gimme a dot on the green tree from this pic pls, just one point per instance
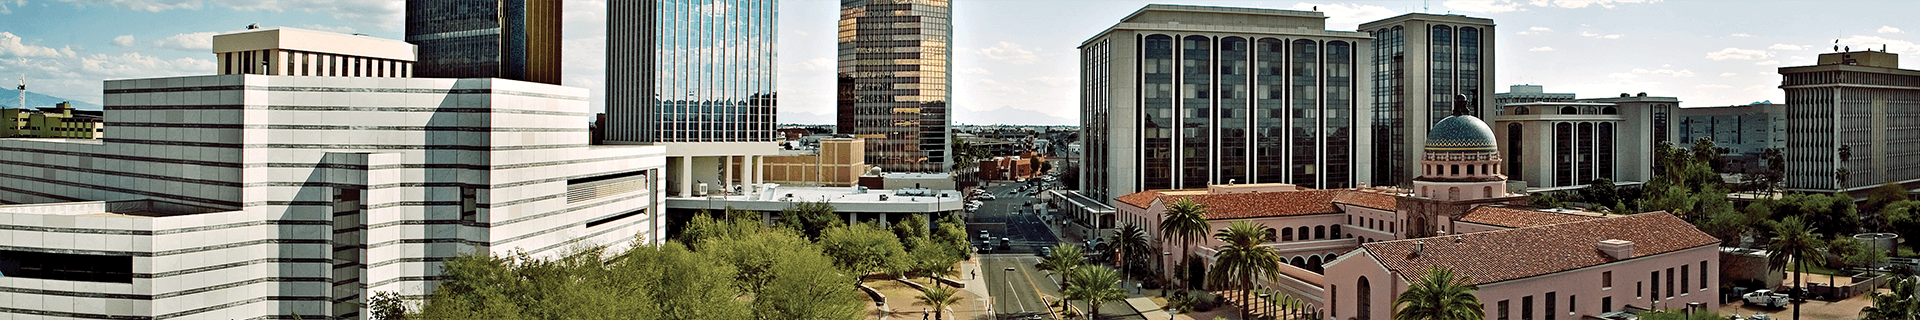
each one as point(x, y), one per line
point(1902, 302)
point(1184, 221)
point(1439, 295)
point(1902, 217)
point(1853, 253)
point(805, 285)
point(1065, 257)
point(912, 227)
point(1096, 286)
point(1832, 215)
point(1600, 192)
point(930, 260)
point(387, 305)
point(811, 218)
point(1242, 257)
point(1793, 243)
point(1882, 196)
point(1131, 241)
point(938, 298)
point(863, 249)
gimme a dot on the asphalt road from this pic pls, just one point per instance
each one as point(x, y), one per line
point(1009, 216)
point(1018, 294)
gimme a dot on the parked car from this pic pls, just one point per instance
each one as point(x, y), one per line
point(1006, 243)
point(984, 236)
point(988, 196)
point(1044, 251)
point(1766, 298)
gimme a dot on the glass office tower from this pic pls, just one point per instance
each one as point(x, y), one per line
point(1420, 61)
point(894, 79)
point(508, 39)
point(691, 71)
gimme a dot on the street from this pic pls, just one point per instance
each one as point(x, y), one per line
point(1018, 294)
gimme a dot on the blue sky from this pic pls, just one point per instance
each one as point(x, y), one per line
point(1015, 61)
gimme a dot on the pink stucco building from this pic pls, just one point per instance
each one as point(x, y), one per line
point(1558, 271)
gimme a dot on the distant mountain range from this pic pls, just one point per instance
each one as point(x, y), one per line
point(10, 98)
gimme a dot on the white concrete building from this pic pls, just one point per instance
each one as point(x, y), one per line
point(248, 196)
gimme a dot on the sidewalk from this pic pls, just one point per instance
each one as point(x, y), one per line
point(982, 301)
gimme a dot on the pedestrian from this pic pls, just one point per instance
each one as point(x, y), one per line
point(975, 274)
point(924, 313)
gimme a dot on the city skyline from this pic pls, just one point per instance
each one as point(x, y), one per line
point(1017, 66)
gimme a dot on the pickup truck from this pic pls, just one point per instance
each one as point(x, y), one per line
point(1766, 298)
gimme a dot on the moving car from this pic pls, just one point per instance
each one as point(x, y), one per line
point(1006, 243)
point(1766, 298)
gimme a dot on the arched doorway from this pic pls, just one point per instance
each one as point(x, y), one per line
point(1362, 296)
point(1313, 264)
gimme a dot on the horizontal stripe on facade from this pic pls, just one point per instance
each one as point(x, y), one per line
point(353, 109)
point(346, 90)
point(503, 242)
point(576, 240)
point(216, 183)
point(569, 209)
point(238, 303)
point(42, 195)
point(329, 127)
point(123, 157)
point(343, 147)
point(194, 200)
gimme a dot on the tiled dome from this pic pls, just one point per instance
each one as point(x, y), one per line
point(1461, 134)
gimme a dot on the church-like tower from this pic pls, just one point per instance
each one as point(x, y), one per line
point(1462, 161)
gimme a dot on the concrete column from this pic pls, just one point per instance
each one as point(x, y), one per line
point(850, 218)
point(727, 181)
point(883, 220)
point(746, 174)
point(686, 176)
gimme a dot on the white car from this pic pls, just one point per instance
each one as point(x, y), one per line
point(985, 197)
point(1766, 298)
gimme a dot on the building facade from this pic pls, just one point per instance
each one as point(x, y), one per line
point(1188, 96)
point(317, 193)
point(1852, 122)
point(699, 80)
point(1743, 133)
point(838, 162)
point(1419, 62)
point(507, 39)
point(60, 121)
point(1568, 144)
point(1522, 93)
point(895, 75)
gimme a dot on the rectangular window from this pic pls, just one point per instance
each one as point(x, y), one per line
point(1526, 308)
point(469, 205)
point(66, 266)
point(1683, 279)
point(1573, 304)
point(1606, 304)
point(606, 186)
point(1669, 282)
point(1653, 284)
point(1639, 290)
point(1502, 310)
point(1606, 280)
point(1547, 306)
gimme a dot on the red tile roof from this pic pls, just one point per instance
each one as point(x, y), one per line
point(1495, 256)
point(1140, 199)
point(1262, 204)
point(1370, 199)
point(1520, 217)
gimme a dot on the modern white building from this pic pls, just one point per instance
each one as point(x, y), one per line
point(249, 196)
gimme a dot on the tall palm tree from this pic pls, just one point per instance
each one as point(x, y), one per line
point(1184, 220)
point(1440, 296)
point(1131, 240)
point(1242, 257)
point(1095, 285)
point(1793, 242)
point(1903, 303)
point(1064, 258)
point(938, 298)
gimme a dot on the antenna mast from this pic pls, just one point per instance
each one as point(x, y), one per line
point(23, 91)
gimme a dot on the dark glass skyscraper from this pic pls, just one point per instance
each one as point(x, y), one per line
point(894, 81)
point(508, 39)
point(1420, 61)
point(691, 71)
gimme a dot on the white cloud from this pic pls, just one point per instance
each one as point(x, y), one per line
point(1588, 34)
point(1481, 6)
point(1665, 72)
point(1874, 43)
point(382, 14)
point(1347, 16)
point(197, 41)
point(1713, 86)
point(333, 29)
point(1888, 29)
point(11, 45)
point(1609, 4)
point(1596, 35)
point(124, 41)
point(1738, 54)
point(1622, 75)
point(1612, 36)
point(1783, 46)
point(1009, 52)
point(1541, 49)
point(1742, 35)
point(978, 71)
point(1540, 29)
point(1768, 63)
point(142, 5)
point(1728, 74)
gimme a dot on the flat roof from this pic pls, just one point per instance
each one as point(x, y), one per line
point(295, 39)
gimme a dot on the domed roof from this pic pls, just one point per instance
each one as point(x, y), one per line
point(1461, 134)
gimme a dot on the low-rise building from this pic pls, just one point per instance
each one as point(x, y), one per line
point(1742, 133)
point(1552, 146)
point(838, 162)
point(60, 121)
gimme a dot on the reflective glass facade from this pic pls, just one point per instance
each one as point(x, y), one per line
point(893, 65)
point(1420, 62)
point(509, 39)
point(691, 71)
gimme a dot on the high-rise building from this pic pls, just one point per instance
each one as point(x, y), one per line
point(697, 77)
point(1553, 141)
point(507, 39)
point(1853, 121)
point(1179, 97)
point(894, 75)
point(1420, 61)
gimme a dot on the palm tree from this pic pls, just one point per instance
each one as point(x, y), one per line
point(1064, 258)
point(1242, 257)
point(1903, 303)
point(1131, 240)
point(1095, 285)
point(938, 298)
point(1184, 220)
point(1439, 296)
point(1793, 242)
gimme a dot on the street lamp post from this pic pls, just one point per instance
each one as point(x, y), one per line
point(1163, 273)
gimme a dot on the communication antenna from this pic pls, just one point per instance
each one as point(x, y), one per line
point(23, 91)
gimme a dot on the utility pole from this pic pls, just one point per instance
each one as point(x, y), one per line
point(23, 91)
